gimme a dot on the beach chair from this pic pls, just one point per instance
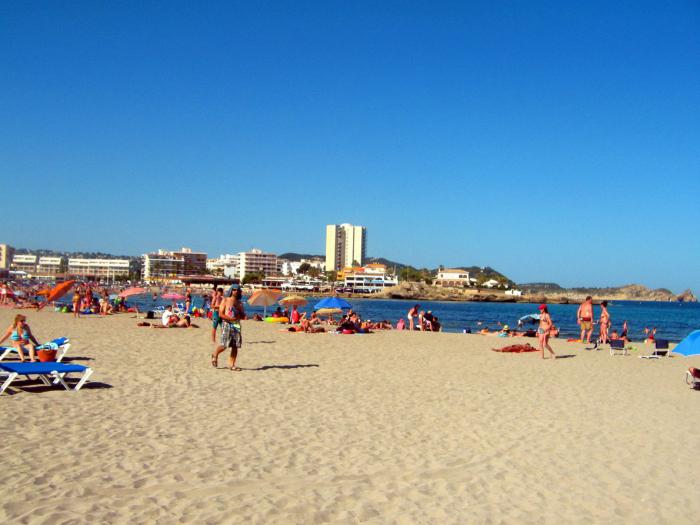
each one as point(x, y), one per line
point(60, 344)
point(49, 373)
point(692, 377)
point(618, 347)
point(661, 349)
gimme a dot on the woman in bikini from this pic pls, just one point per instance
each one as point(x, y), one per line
point(412, 314)
point(543, 331)
point(604, 322)
point(20, 334)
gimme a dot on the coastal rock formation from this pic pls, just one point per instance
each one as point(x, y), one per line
point(687, 297)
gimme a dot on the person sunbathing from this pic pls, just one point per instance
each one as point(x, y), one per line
point(20, 334)
point(171, 320)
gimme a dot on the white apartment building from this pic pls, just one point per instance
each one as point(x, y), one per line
point(292, 267)
point(369, 279)
point(24, 263)
point(257, 261)
point(167, 265)
point(7, 253)
point(227, 264)
point(345, 244)
point(49, 266)
point(99, 268)
point(452, 278)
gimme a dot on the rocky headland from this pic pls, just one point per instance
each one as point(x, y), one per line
point(633, 292)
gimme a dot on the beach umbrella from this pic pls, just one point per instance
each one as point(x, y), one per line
point(690, 345)
point(57, 292)
point(329, 311)
point(293, 300)
point(132, 291)
point(530, 318)
point(173, 296)
point(332, 302)
point(264, 298)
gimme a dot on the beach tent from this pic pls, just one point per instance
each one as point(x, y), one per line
point(690, 345)
point(332, 302)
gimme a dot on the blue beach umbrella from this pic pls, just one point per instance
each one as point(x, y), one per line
point(531, 318)
point(332, 302)
point(690, 345)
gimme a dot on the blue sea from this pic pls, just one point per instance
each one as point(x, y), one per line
point(673, 321)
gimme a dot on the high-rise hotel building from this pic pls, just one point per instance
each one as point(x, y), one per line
point(345, 246)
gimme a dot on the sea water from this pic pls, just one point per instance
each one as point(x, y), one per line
point(673, 321)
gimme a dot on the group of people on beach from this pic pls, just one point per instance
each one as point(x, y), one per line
point(420, 320)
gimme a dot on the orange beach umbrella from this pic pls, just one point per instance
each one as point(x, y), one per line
point(293, 300)
point(57, 292)
point(264, 298)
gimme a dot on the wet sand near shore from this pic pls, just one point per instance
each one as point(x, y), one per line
point(391, 427)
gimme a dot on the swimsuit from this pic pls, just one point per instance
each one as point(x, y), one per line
point(16, 337)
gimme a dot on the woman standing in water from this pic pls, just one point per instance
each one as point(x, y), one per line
point(544, 330)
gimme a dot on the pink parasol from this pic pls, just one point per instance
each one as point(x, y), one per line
point(132, 291)
point(173, 296)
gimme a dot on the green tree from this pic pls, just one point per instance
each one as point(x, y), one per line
point(304, 268)
point(314, 272)
point(252, 278)
point(332, 276)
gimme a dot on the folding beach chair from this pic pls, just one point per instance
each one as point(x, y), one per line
point(618, 347)
point(48, 373)
point(661, 349)
point(692, 377)
point(60, 344)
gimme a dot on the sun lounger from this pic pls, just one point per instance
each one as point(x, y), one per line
point(60, 344)
point(618, 346)
point(692, 377)
point(48, 373)
point(661, 349)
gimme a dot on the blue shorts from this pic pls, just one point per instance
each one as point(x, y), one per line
point(215, 319)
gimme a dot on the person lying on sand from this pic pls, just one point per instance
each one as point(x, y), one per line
point(171, 320)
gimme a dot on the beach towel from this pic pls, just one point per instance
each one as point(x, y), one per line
point(516, 349)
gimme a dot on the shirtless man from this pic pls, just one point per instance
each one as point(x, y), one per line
point(585, 319)
point(231, 313)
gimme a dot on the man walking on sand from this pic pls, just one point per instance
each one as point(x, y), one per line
point(585, 319)
point(231, 313)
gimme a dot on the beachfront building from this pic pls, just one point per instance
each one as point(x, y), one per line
point(346, 246)
point(162, 265)
point(226, 264)
point(452, 278)
point(49, 266)
point(166, 265)
point(7, 253)
point(257, 261)
point(24, 263)
point(99, 268)
point(292, 267)
point(367, 279)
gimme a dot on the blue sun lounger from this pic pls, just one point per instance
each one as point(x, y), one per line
point(49, 373)
point(60, 343)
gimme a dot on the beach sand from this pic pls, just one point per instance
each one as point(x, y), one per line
point(391, 427)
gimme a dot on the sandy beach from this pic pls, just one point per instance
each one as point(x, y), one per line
point(390, 427)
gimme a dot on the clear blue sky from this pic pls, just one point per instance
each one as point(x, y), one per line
point(553, 141)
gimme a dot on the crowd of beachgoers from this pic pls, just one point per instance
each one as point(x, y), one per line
point(225, 309)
